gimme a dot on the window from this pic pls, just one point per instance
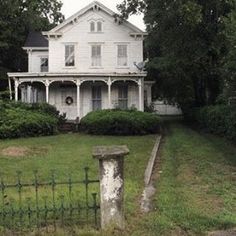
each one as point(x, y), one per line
point(96, 56)
point(123, 97)
point(122, 54)
point(97, 98)
point(96, 26)
point(99, 26)
point(92, 27)
point(70, 55)
point(43, 64)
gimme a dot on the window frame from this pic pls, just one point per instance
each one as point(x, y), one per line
point(96, 57)
point(96, 99)
point(123, 99)
point(100, 28)
point(65, 62)
point(41, 64)
point(92, 23)
point(119, 65)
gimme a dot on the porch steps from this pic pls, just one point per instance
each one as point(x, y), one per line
point(69, 126)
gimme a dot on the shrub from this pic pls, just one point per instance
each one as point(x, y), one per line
point(24, 120)
point(218, 119)
point(119, 122)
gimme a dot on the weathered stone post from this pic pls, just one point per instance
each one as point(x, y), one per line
point(111, 163)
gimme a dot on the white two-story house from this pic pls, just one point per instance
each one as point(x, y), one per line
point(88, 62)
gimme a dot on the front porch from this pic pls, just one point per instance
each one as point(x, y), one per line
point(77, 95)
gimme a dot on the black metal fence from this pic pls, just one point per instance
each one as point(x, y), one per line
point(51, 204)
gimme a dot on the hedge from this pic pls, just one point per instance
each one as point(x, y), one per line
point(23, 120)
point(218, 119)
point(120, 122)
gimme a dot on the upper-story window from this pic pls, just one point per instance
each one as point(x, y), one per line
point(43, 64)
point(96, 26)
point(92, 26)
point(96, 55)
point(99, 26)
point(69, 55)
point(122, 55)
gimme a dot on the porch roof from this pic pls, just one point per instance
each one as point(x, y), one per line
point(74, 75)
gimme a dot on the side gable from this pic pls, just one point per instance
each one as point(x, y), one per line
point(95, 6)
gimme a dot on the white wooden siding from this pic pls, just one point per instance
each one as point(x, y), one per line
point(34, 62)
point(80, 34)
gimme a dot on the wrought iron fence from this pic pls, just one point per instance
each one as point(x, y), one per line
point(37, 205)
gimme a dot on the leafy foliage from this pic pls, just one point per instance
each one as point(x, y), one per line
point(23, 120)
point(230, 62)
point(119, 122)
point(186, 47)
point(219, 119)
point(17, 18)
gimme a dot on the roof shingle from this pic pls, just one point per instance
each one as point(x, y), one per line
point(36, 39)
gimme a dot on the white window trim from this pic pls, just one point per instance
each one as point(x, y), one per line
point(43, 57)
point(75, 58)
point(96, 26)
point(96, 67)
point(128, 53)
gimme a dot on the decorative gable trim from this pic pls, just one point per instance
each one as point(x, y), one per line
point(95, 6)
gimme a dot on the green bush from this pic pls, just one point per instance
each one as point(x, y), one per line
point(25, 120)
point(119, 122)
point(218, 119)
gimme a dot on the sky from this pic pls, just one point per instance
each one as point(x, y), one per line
point(72, 6)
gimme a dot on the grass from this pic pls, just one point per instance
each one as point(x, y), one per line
point(196, 190)
point(69, 154)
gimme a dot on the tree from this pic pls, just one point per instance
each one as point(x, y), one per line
point(186, 47)
point(17, 18)
point(230, 61)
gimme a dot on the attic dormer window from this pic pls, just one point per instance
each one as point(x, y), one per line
point(99, 26)
point(96, 26)
point(92, 26)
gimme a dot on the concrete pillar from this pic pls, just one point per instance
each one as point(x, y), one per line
point(111, 163)
point(78, 83)
point(16, 89)
point(109, 93)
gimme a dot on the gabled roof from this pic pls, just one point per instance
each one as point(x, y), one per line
point(36, 40)
point(93, 5)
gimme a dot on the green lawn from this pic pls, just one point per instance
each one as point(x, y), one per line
point(196, 186)
point(69, 154)
point(196, 191)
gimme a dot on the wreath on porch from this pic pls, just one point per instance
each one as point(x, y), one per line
point(69, 101)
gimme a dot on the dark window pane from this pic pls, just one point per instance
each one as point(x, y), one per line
point(97, 98)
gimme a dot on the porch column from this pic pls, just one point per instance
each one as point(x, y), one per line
point(16, 89)
point(78, 83)
point(109, 92)
point(47, 91)
point(140, 89)
point(10, 89)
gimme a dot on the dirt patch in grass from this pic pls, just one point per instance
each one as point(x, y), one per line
point(230, 232)
point(18, 152)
